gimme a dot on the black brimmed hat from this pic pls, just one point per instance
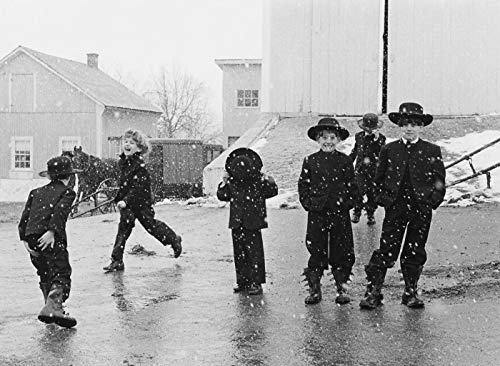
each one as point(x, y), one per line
point(243, 163)
point(370, 121)
point(328, 124)
point(411, 111)
point(59, 165)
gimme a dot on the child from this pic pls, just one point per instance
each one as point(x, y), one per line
point(42, 229)
point(134, 200)
point(410, 184)
point(247, 188)
point(326, 190)
point(366, 151)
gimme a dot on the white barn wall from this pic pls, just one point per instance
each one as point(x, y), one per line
point(321, 56)
point(445, 55)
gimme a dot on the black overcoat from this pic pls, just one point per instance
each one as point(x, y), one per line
point(247, 201)
point(47, 208)
point(327, 181)
point(366, 152)
point(134, 182)
point(425, 170)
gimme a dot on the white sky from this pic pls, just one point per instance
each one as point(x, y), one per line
point(134, 38)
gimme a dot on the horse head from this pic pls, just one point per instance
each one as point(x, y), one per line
point(80, 159)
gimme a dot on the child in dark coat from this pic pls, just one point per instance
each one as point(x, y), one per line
point(366, 152)
point(42, 229)
point(326, 191)
point(247, 189)
point(135, 201)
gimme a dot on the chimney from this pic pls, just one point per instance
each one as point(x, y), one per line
point(92, 60)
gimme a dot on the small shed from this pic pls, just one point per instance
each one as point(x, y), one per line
point(176, 166)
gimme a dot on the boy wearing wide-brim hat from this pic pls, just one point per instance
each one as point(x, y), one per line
point(42, 229)
point(326, 191)
point(410, 182)
point(365, 152)
point(247, 188)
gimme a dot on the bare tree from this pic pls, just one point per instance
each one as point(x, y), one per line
point(183, 100)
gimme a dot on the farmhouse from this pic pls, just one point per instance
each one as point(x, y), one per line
point(49, 104)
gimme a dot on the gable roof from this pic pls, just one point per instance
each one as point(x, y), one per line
point(91, 81)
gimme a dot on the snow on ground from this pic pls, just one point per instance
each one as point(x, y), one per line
point(463, 194)
point(474, 190)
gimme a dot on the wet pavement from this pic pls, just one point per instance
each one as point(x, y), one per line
point(166, 311)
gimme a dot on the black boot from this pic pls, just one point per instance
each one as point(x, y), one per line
point(373, 295)
point(177, 246)
point(114, 266)
point(411, 277)
point(313, 278)
point(53, 311)
point(370, 219)
point(356, 216)
point(341, 276)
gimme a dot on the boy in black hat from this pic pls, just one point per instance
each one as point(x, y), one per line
point(247, 189)
point(42, 229)
point(134, 200)
point(366, 151)
point(410, 182)
point(326, 190)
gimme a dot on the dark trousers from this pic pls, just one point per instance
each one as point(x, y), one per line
point(146, 216)
point(329, 240)
point(402, 217)
point(366, 186)
point(248, 251)
point(52, 265)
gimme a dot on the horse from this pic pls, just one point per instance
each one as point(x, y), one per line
point(97, 176)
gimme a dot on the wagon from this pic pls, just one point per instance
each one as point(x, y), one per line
point(176, 166)
point(103, 200)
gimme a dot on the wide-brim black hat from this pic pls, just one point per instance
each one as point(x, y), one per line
point(243, 163)
point(370, 121)
point(328, 124)
point(59, 165)
point(412, 111)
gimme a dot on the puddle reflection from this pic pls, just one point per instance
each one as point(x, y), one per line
point(250, 331)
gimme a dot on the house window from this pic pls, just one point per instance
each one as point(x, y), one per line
point(247, 98)
point(22, 153)
point(67, 143)
point(114, 146)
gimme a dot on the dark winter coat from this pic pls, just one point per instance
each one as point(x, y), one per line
point(247, 201)
point(366, 152)
point(327, 182)
point(134, 182)
point(425, 171)
point(47, 208)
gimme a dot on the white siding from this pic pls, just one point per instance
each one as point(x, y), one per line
point(321, 56)
point(445, 55)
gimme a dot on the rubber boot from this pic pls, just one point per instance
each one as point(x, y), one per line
point(356, 216)
point(370, 219)
point(341, 277)
point(313, 278)
point(373, 295)
point(53, 311)
point(411, 277)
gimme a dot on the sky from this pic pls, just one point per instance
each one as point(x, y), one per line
point(135, 38)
